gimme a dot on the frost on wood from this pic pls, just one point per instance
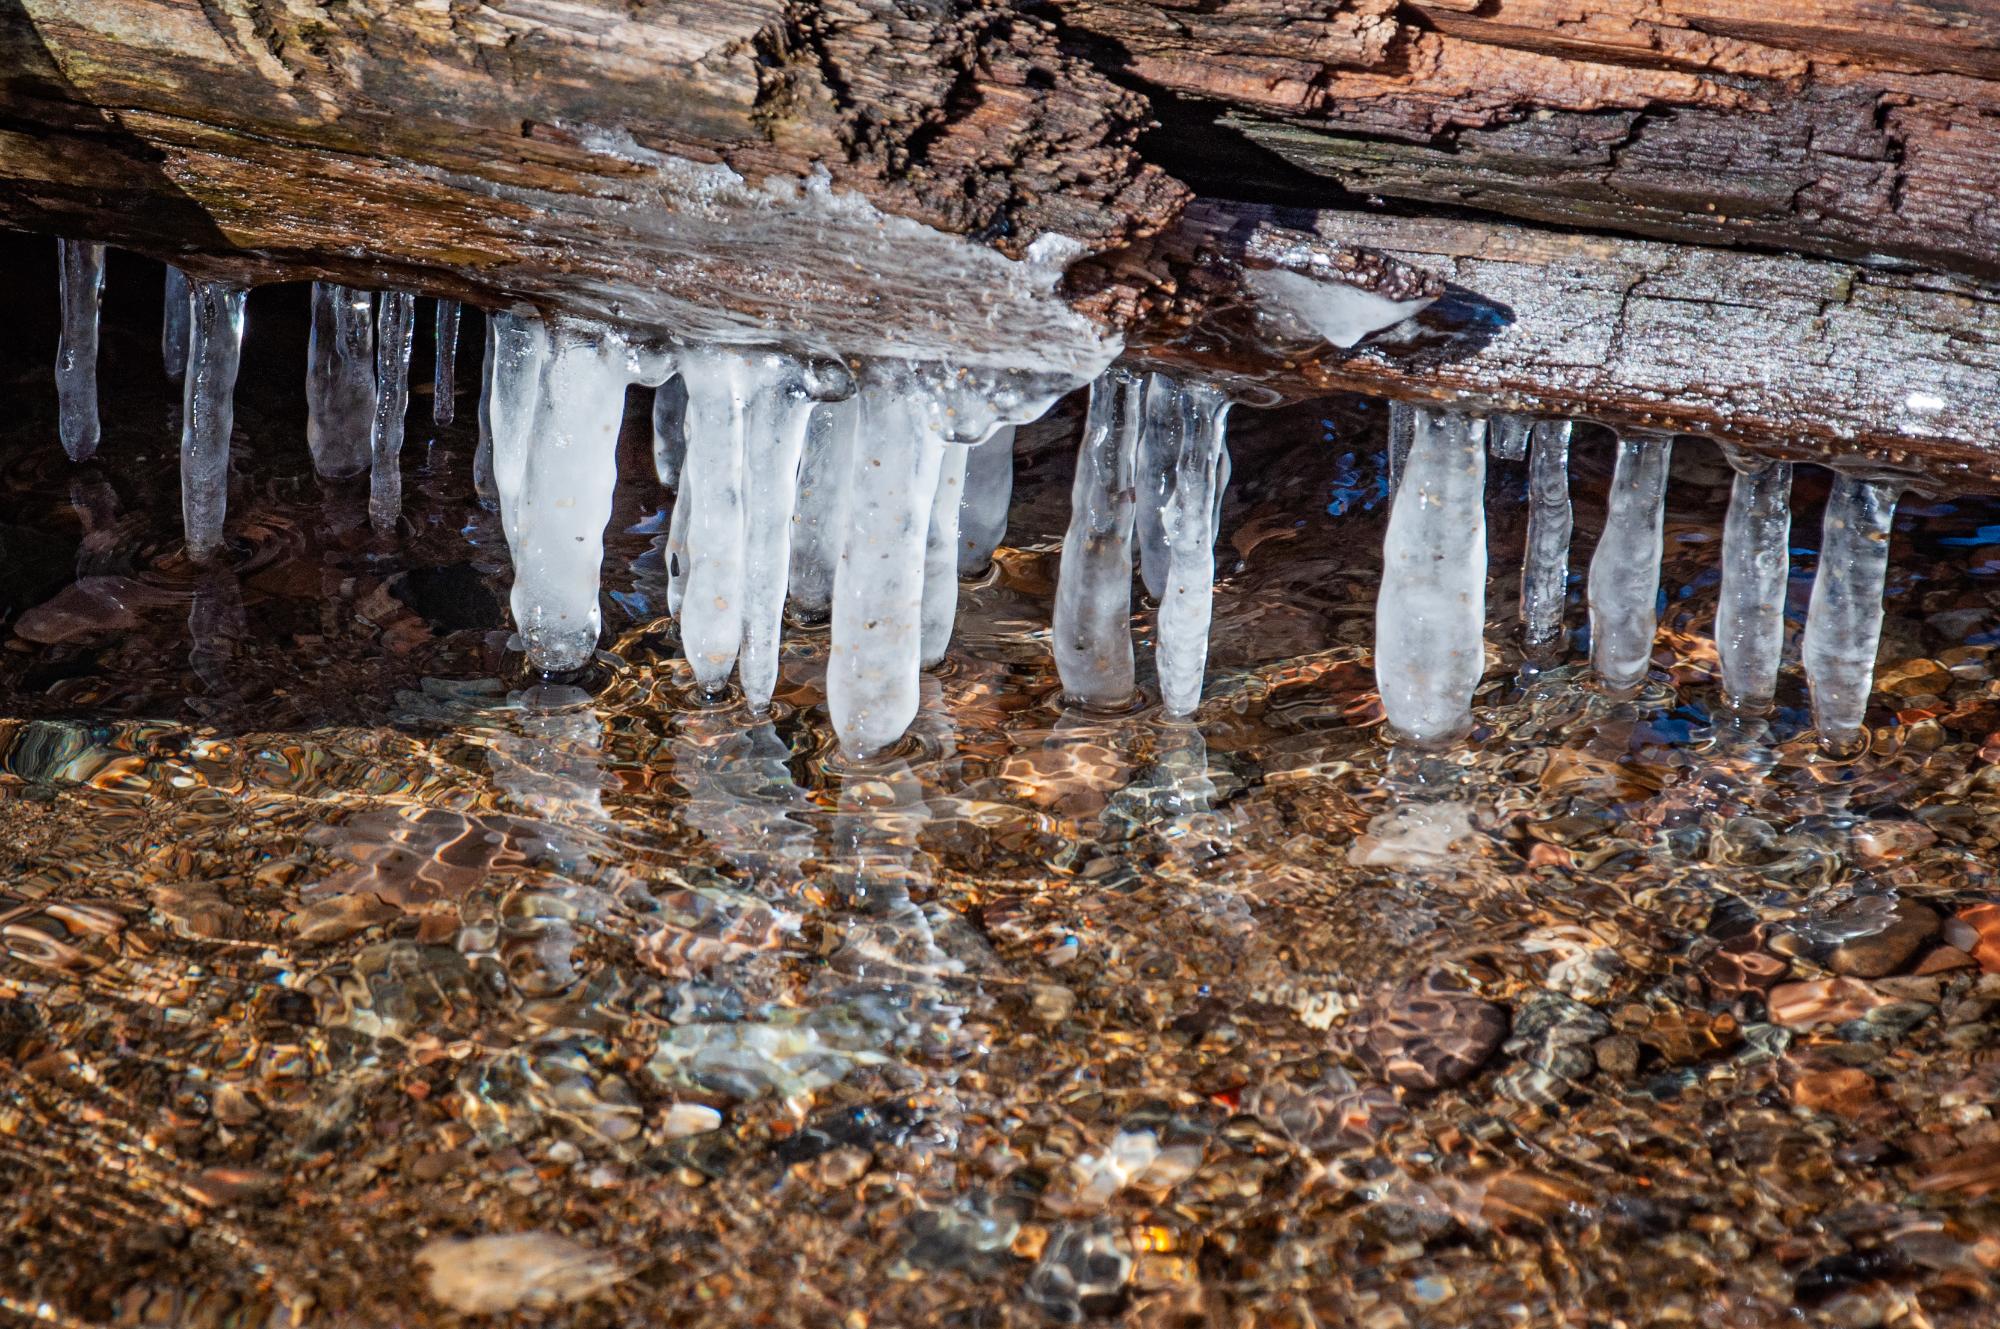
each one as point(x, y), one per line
point(1756, 565)
point(1190, 421)
point(395, 328)
point(81, 268)
point(1625, 570)
point(1431, 611)
point(1545, 564)
point(340, 380)
point(1093, 609)
point(1844, 621)
point(208, 410)
point(989, 492)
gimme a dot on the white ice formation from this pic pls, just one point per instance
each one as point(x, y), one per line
point(1335, 311)
point(989, 492)
point(208, 410)
point(395, 328)
point(82, 289)
point(1431, 611)
point(1844, 620)
point(822, 508)
point(340, 380)
point(1545, 565)
point(1625, 570)
point(1093, 611)
point(1190, 422)
point(1756, 564)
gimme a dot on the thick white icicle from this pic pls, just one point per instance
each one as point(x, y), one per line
point(875, 662)
point(1756, 565)
point(519, 355)
point(444, 382)
point(208, 410)
point(1625, 570)
point(941, 555)
point(821, 524)
point(340, 380)
point(1844, 620)
point(1093, 611)
point(1545, 564)
point(1193, 420)
point(1431, 610)
point(556, 478)
point(174, 324)
point(395, 327)
point(989, 493)
point(670, 401)
point(773, 441)
point(81, 266)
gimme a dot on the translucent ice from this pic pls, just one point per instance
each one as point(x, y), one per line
point(208, 410)
point(81, 266)
point(517, 356)
point(1507, 436)
point(1545, 566)
point(989, 491)
point(941, 554)
point(1402, 431)
point(1429, 616)
point(482, 455)
point(1844, 621)
point(395, 326)
point(174, 324)
point(1756, 564)
point(444, 383)
point(670, 401)
point(1093, 610)
point(1625, 570)
point(340, 379)
point(1191, 420)
point(821, 521)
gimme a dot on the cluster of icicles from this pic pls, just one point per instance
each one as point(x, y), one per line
point(862, 492)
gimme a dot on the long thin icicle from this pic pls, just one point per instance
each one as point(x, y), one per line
point(1545, 566)
point(1625, 570)
point(81, 264)
point(1431, 611)
point(1193, 420)
point(444, 382)
point(482, 455)
point(711, 610)
point(556, 478)
point(989, 493)
point(395, 327)
point(1093, 611)
point(773, 441)
point(875, 663)
point(208, 411)
point(670, 401)
point(1844, 620)
point(340, 380)
point(174, 324)
point(1756, 565)
point(1154, 469)
point(941, 554)
point(821, 526)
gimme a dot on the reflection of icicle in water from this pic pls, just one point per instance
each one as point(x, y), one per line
point(941, 556)
point(555, 472)
point(1402, 433)
point(670, 401)
point(1625, 570)
point(444, 383)
point(821, 524)
point(1192, 419)
point(81, 266)
point(989, 492)
point(208, 410)
point(552, 768)
point(1507, 436)
point(1756, 565)
point(741, 794)
point(174, 324)
point(1844, 621)
point(340, 380)
point(1545, 567)
point(1093, 611)
point(1429, 616)
point(216, 628)
point(395, 326)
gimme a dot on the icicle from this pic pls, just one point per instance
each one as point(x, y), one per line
point(989, 492)
point(1093, 611)
point(1192, 420)
point(1431, 611)
point(677, 552)
point(1402, 433)
point(1154, 470)
point(1545, 566)
point(1625, 570)
point(822, 508)
point(1507, 436)
point(555, 473)
point(773, 441)
point(1844, 620)
point(875, 664)
point(670, 401)
point(941, 555)
point(340, 380)
point(1756, 565)
point(482, 456)
point(444, 382)
point(81, 266)
point(208, 410)
point(174, 324)
point(395, 319)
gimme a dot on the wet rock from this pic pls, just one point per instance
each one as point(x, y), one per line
point(1823, 1002)
point(1972, 1173)
point(1867, 937)
point(1843, 1091)
point(1426, 1033)
point(1944, 960)
point(1335, 1112)
point(1417, 835)
point(1735, 973)
point(34, 564)
point(1083, 1270)
point(1617, 1056)
point(1879, 842)
point(496, 1274)
point(1677, 1033)
point(1976, 931)
point(452, 597)
point(682, 1120)
point(1553, 1037)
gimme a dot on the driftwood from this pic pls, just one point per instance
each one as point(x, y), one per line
point(875, 176)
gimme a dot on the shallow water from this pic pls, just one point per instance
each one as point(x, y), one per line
point(330, 941)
